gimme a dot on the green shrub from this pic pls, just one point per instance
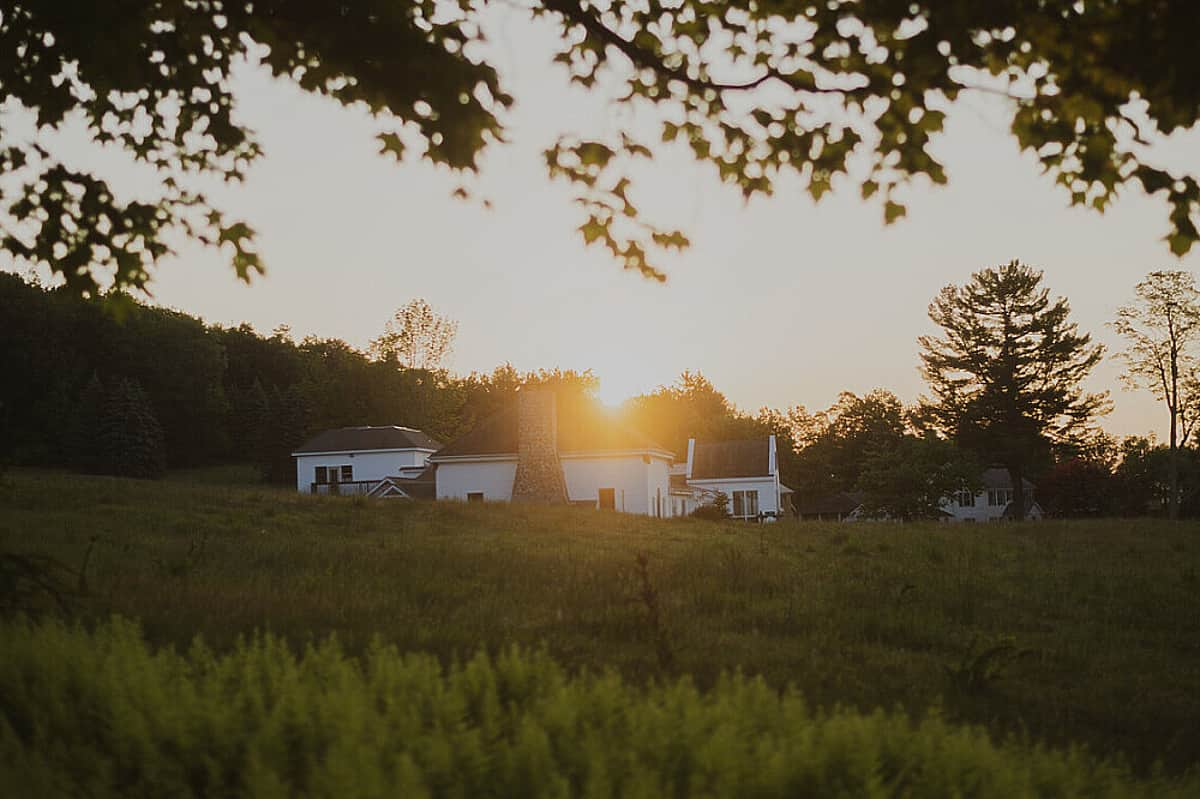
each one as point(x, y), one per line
point(99, 713)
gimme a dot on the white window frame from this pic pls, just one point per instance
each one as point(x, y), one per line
point(738, 498)
point(999, 497)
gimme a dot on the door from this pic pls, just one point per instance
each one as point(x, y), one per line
point(608, 499)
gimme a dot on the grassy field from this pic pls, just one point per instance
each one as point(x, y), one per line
point(1085, 632)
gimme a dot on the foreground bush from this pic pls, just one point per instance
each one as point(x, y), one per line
point(98, 713)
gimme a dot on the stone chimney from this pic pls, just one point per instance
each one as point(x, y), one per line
point(539, 474)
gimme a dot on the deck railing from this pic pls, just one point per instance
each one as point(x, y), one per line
point(348, 488)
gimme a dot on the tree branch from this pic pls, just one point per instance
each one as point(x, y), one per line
point(646, 59)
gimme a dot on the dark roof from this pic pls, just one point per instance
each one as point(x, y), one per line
point(580, 429)
point(843, 503)
point(357, 439)
point(715, 460)
point(422, 486)
point(998, 477)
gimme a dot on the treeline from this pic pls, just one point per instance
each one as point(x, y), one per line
point(205, 393)
point(877, 447)
point(123, 388)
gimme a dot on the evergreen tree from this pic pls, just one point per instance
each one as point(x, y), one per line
point(1006, 374)
point(84, 446)
point(287, 428)
point(130, 438)
point(255, 421)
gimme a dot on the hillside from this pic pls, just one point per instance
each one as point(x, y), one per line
point(1072, 632)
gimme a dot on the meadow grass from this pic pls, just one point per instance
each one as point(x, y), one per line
point(98, 713)
point(1061, 632)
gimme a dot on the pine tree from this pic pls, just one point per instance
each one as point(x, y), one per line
point(286, 429)
point(255, 421)
point(130, 438)
point(84, 437)
point(1006, 375)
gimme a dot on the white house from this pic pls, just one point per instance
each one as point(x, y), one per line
point(535, 451)
point(354, 460)
point(991, 503)
point(747, 472)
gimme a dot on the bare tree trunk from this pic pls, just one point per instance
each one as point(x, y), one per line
point(1018, 488)
point(1173, 471)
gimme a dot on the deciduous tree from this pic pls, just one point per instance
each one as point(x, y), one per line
point(757, 90)
point(1006, 374)
point(1163, 329)
point(840, 440)
point(416, 337)
point(910, 479)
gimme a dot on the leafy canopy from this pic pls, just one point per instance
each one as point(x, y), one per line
point(844, 90)
point(416, 337)
point(1162, 328)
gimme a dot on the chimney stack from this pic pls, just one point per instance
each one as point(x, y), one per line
point(539, 477)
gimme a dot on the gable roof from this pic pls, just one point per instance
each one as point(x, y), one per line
point(998, 477)
point(420, 486)
point(580, 429)
point(717, 460)
point(358, 439)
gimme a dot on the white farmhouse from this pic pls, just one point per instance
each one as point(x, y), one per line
point(747, 472)
point(991, 503)
point(533, 451)
point(386, 461)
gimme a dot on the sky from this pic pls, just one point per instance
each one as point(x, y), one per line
point(778, 301)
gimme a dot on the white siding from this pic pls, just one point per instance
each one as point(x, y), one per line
point(493, 478)
point(635, 482)
point(370, 465)
point(982, 511)
point(767, 488)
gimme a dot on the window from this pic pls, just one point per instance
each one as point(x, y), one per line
point(608, 499)
point(347, 474)
point(474, 496)
point(321, 475)
point(966, 499)
point(658, 503)
point(999, 497)
point(745, 504)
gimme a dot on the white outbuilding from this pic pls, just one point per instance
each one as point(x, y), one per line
point(355, 460)
point(746, 472)
point(536, 451)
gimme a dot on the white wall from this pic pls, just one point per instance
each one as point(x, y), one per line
point(634, 481)
point(493, 478)
point(767, 488)
point(372, 465)
point(982, 511)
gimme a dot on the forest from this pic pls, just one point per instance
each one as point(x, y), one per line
point(111, 385)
